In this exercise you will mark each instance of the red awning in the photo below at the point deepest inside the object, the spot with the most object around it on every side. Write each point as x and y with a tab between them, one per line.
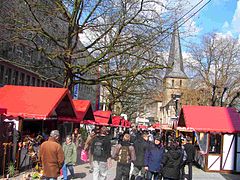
142	126
83	109
37	102
116	121
3	110
156	126
127	124
210	119
103	117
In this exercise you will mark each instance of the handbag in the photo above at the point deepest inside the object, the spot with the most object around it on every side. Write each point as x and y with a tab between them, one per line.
84	155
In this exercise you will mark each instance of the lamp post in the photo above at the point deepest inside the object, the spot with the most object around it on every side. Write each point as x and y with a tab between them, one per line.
176	98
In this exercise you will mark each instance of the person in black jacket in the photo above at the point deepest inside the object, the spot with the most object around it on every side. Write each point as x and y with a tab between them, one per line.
101	151
140	146
190	150
172	162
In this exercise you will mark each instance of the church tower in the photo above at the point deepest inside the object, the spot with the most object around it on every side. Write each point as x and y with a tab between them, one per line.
175	79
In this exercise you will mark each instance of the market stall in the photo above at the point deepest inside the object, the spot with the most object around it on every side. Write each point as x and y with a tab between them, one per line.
36	111
217	133
103	118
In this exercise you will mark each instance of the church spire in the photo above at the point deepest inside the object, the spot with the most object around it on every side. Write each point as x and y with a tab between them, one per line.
175	57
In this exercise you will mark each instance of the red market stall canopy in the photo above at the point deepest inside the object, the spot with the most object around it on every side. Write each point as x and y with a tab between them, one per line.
37	102
103	117
84	110
210	119
127	124
116	120
142	126
3	110
156	126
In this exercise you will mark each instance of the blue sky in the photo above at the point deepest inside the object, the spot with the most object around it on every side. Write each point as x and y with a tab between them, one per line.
222	16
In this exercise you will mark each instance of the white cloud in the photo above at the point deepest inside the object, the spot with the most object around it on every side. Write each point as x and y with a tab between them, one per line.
236	19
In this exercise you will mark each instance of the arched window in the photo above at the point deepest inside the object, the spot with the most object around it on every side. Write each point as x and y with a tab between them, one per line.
172	83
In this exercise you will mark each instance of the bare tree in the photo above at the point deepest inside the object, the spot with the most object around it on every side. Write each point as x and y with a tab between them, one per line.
215	63
112	29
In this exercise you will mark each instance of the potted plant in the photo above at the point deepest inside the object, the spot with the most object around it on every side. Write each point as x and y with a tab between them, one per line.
11	169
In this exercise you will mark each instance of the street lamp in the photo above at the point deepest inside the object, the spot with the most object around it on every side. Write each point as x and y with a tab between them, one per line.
176	98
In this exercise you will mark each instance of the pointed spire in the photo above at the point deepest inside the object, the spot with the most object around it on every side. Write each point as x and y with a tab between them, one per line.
175	56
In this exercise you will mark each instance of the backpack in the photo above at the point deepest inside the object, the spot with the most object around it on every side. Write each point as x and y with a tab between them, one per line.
123	155
98	148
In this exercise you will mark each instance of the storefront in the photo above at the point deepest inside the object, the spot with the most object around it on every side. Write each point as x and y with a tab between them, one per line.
217	134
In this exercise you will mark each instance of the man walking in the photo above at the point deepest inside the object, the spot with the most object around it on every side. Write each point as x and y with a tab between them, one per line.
70	154
124	154
190	151
51	156
101	151
140	146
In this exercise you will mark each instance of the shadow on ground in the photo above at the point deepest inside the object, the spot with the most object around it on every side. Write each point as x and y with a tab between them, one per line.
78	176
231	176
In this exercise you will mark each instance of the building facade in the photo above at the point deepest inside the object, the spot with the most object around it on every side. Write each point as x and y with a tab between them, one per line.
22	64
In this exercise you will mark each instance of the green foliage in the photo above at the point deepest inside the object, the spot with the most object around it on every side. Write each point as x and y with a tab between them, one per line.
83	133
11	169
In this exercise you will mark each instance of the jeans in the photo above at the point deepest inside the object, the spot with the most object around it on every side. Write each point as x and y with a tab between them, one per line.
122	171
155	175
65	172
100	170
189	164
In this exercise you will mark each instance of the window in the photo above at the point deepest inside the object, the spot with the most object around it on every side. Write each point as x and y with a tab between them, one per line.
9	76
43	84
1	74
33	81
38	82
15	78
22	79
172	83
180	83
19	51
215	143
28	80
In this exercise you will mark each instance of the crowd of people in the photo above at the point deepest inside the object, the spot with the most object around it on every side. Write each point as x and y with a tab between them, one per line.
139	155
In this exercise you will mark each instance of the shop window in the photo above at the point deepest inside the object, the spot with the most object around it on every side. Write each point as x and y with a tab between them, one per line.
215	144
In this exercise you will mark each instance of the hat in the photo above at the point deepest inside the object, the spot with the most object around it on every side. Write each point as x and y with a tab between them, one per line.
54	133
158	138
